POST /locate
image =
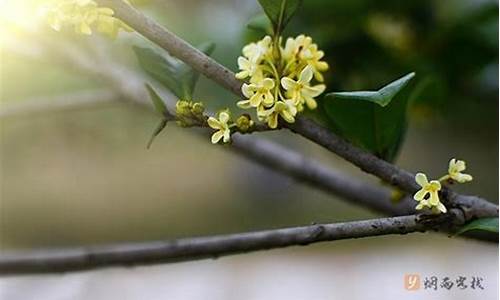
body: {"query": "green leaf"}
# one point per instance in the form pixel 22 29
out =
pixel 485 224
pixel 173 74
pixel 280 12
pixel 156 132
pixel 382 97
pixel 157 101
pixel 261 23
pixel 376 123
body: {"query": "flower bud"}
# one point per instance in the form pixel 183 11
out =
pixel 198 108
pixel 244 123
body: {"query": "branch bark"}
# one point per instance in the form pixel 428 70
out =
pixel 210 247
pixel 477 207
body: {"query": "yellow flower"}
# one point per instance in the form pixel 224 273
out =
pixel 255 52
pixel 248 69
pixel 258 94
pixel 455 171
pixel 280 85
pixel 428 195
pixel 312 57
pixel 83 15
pixel 302 50
pixel 300 91
pixel 221 125
pixel 286 109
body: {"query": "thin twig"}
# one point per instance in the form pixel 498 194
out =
pixel 67 260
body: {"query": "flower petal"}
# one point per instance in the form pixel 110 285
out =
pixel 311 103
pixel 434 198
pixel 460 165
pixel 245 104
pixel 313 91
pixel 462 178
pixel 306 75
pixel 421 179
pixel 217 136
pixel 268 83
pixel 223 117
pixel 247 91
pixel 272 120
pixel 214 123
pixel 420 195
pixel 288 83
pixel 435 185
pixel 287 116
pixel 226 136
pixel 441 207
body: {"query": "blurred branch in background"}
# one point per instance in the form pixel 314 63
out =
pixel 70 101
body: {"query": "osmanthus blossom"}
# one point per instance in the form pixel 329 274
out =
pixel 84 16
pixel 220 124
pixel 280 78
pixel 428 195
pixel 258 94
pixel 455 169
pixel 301 91
pixel 286 109
pixel 307 52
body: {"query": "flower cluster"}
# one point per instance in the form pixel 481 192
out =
pixel 189 113
pixel 428 195
pixel 84 16
pixel 279 78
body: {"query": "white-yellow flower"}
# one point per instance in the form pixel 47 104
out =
pixel 255 52
pixel 455 169
pixel 221 125
pixel 286 109
pixel 83 15
pixel 302 50
pixel 258 94
pixel 248 69
pixel 312 56
pixel 428 195
pixel 294 46
pixel 300 91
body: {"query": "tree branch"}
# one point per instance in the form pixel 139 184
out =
pixel 70 101
pixel 211 247
pixel 307 128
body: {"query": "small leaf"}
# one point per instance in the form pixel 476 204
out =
pixel 377 128
pixel 170 72
pixel 485 224
pixel 156 132
pixel 261 23
pixel 280 12
pixel 161 68
pixel 157 101
pixel 382 97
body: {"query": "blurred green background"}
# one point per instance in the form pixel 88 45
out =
pixel 83 176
